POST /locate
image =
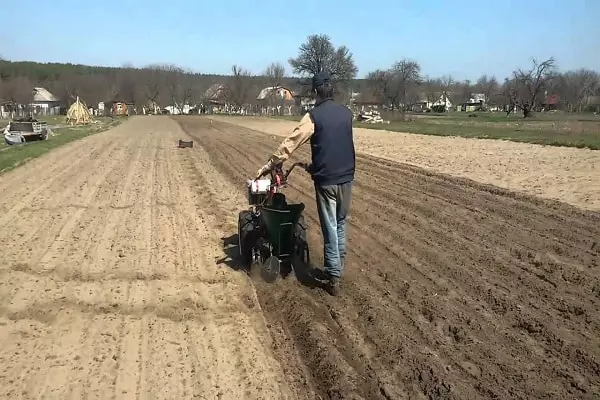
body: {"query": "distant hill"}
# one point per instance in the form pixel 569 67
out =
pixel 100 83
pixel 39 73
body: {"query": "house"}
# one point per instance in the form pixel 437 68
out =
pixel 118 108
pixel 420 104
pixel 176 110
pixel 216 93
pixel 476 102
pixel 215 98
pixel 275 92
pixel 304 101
pixel 442 101
pixel 424 103
pixel 4 109
pixel 364 101
pixel 477 98
pixel 276 100
pixel 44 102
pixel 550 103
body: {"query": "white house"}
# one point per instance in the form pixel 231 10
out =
pixel 44 102
pixel 423 103
pixel 477 98
pixel 176 110
pixel 444 100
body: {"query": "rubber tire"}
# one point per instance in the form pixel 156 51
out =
pixel 245 237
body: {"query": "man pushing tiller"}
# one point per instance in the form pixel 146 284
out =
pixel 328 127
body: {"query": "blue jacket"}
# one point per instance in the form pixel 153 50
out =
pixel 332 144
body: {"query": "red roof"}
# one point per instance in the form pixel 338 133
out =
pixel 552 100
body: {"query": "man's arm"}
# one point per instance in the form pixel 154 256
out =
pixel 300 135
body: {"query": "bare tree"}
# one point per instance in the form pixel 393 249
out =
pixel 175 86
pixel 396 83
pixel 18 90
pixel 525 87
pixel 433 89
pixel 151 82
pixel 91 89
pixel 238 87
pixel 69 87
pixel 318 54
pixel 461 92
pixel 577 86
pixel 274 74
pixel 408 77
pixel 446 82
pixel 380 83
pixel 488 85
pixel 127 85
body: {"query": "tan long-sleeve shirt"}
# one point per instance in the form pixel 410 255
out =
pixel 300 135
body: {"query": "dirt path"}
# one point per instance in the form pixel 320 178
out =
pixel 453 290
pixel 565 174
pixel 109 281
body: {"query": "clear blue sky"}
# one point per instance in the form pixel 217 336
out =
pixel 464 39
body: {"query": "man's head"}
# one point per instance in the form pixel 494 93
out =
pixel 321 85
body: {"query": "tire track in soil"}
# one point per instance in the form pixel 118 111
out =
pixel 465 290
pixel 340 373
pixel 215 194
pixel 97 310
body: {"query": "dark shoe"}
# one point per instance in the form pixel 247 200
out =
pixel 318 275
pixel 333 286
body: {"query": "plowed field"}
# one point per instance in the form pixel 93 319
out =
pixel 119 280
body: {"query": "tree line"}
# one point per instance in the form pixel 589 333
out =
pixel 397 86
pixel 524 90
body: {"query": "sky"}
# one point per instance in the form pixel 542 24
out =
pixel 457 38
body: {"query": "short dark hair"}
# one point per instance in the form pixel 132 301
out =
pixel 325 91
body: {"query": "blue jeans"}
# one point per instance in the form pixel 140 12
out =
pixel 333 202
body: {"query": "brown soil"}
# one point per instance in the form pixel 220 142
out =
pixel 108 282
pixel 453 289
pixel 119 279
pixel 560 173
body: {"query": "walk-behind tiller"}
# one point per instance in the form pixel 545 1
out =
pixel 272 233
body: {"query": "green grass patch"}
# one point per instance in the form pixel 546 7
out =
pixel 14 156
pixel 524 134
pixel 550 130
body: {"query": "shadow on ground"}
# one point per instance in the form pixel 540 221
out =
pixel 305 274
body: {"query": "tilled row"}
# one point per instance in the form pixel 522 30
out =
pixel 453 290
pixel 108 280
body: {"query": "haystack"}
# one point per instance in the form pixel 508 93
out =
pixel 78 113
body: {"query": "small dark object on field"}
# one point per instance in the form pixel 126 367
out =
pixel 183 144
pixel 472 115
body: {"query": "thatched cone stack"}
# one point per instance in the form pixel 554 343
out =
pixel 78 113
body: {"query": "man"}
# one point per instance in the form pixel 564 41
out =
pixel 328 127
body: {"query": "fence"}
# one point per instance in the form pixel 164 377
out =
pixel 255 109
pixel 6 112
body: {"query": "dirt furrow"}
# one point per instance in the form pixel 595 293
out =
pixel 216 203
pixel 456 279
pixel 566 174
pixel 124 297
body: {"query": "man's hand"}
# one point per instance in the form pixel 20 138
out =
pixel 263 170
